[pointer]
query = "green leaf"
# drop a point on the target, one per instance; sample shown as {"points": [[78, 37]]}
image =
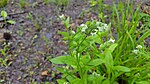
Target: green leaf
{"points": [[63, 60], [11, 21], [77, 81], [122, 68], [112, 47], [4, 14], [145, 35], [107, 81], [66, 23], [143, 82], [93, 3], [109, 61], [65, 34], [95, 62]]}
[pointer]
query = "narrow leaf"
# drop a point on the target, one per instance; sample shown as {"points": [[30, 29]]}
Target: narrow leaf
{"points": [[122, 68], [112, 47], [145, 35]]}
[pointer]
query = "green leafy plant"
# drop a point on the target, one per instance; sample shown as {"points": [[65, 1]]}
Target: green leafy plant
{"points": [[3, 52], [5, 15], [127, 35], [85, 57], [5, 49], [96, 56]]}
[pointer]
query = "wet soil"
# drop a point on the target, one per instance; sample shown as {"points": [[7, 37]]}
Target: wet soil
{"points": [[35, 39]]}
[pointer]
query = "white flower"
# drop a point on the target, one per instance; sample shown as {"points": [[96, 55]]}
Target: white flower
{"points": [[105, 27], [98, 23], [135, 51], [139, 47], [102, 27], [62, 16], [111, 40], [84, 27], [95, 30]]}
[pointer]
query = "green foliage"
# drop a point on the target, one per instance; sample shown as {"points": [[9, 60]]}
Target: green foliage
{"points": [[3, 52], [22, 3], [5, 49], [5, 15], [145, 18], [3, 3], [95, 56]]}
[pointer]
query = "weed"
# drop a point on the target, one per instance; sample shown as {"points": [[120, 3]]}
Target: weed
{"points": [[5, 17], [145, 18], [95, 56], [3, 52], [7, 36]]}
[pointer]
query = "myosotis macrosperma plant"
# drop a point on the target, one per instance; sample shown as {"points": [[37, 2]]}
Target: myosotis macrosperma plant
{"points": [[92, 60], [93, 63]]}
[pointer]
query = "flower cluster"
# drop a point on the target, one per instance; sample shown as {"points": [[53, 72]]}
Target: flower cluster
{"points": [[138, 47], [102, 26], [99, 27]]}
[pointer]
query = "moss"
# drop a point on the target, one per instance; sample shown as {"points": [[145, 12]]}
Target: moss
{"points": [[3, 3]]}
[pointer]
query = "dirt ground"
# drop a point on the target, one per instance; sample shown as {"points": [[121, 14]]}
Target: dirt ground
{"points": [[29, 51]]}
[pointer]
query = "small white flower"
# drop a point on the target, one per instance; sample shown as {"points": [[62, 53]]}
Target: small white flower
{"points": [[106, 28], [96, 30], [139, 47], [111, 40], [98, 23], [105, 25], [84, 27], [62, 16], [135, 51]]}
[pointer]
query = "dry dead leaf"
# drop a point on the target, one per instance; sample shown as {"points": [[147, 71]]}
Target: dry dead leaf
{"points": [[44, 73]]}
